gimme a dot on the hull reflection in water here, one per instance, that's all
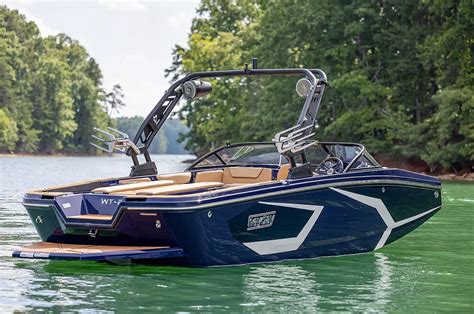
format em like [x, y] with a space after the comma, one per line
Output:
[372, 282]
[382, 283]
[285, 286]
[303, 287]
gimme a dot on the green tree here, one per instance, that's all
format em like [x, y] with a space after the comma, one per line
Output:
[8, 132]
[50, 87]
[114, 100]
[216, 42]
[400, 74]
[167, 139]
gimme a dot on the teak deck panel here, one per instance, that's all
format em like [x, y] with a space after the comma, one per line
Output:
[49, 247]
[91, 217]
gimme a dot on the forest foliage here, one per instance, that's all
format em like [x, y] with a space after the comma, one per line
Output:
[400, 73]
[167, 140]
[51, 93]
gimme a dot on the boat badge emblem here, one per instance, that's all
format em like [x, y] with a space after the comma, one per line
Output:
[261, 220]
[92, 233]
[39, 219]
[109, 201]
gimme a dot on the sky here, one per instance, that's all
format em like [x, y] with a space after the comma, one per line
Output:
[131, 40]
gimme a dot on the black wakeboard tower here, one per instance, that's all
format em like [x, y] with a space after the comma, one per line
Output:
[290, 142]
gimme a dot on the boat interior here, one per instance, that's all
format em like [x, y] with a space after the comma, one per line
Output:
[229, 167]
[173, 184]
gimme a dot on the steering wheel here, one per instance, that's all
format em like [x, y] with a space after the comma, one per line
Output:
[330, 165]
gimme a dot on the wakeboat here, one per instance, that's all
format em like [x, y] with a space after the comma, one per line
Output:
[290, 198]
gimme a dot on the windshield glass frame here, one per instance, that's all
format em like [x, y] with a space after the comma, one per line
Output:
[360, 152]
[218, 159]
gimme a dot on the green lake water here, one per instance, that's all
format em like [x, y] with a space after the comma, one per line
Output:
[431, 269]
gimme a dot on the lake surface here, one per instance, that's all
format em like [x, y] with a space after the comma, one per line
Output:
[431, 269]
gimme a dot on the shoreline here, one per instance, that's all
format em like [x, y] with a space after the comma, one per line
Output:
[13, 155]
[465, 177]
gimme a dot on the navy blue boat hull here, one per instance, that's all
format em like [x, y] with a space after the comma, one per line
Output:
[308, 218]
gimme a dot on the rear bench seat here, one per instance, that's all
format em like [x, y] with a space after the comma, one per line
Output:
[179, 182]
[160, 187]
[132, 187]
[179, 188]
[134, 180]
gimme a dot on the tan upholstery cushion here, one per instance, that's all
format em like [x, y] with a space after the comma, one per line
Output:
[180, 188]
[283, 172]
[246, 175]
[178, 178]
[132, 187]
[226, 187]
[209, 176]
[134, 180]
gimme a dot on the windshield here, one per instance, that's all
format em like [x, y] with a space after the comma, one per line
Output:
[354, 155]
[252, 154]
[243, 155]
[351, 155]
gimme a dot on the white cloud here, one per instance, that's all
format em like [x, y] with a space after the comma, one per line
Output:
[179, 19]
[123, 5]
[141, 86]
[44, 29]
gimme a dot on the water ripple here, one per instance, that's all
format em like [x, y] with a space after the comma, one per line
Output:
[429, 270]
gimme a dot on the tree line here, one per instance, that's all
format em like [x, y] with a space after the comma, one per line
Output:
[400, 74]
[51, 92]
[167, 140]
